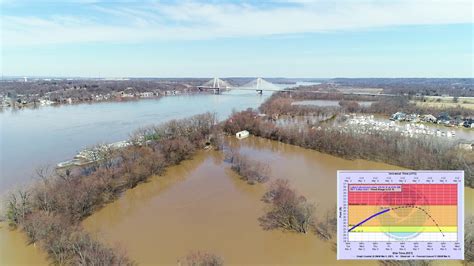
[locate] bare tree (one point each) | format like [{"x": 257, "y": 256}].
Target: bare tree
[
  {"x": 18, "y": 206},
  {"x": 326, "y": 225},
  {"x": 249, "y": 170},
  {"x": 288, "y": 210},
  {"x": 201, "y": 258}
]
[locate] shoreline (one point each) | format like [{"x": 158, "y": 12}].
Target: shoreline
[{"x": 120, "y": 100}]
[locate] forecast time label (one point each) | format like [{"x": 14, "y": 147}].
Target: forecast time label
[{"x": 400, "y": 215}]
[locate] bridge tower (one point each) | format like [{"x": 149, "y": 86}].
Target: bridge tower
[
  {"x": 215, "y": 84},
  {"x": 258, "y": 89}
]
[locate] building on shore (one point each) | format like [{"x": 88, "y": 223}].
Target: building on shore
[{"x": 398, "y": 116}]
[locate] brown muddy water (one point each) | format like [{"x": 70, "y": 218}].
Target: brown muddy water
[
  {"x": 15, "y": 251},
  {"x": 202, "y": 205}
]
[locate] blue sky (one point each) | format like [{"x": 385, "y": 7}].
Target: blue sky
[{"x": 384, "y": 38}]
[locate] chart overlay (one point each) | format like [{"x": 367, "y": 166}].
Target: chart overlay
[{"x": 400, "y": 215}]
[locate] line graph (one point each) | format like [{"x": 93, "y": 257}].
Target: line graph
[
  {"x": 413, "y": 208},
  {"x": 372, "y": 216},
  {"x": 399, "y": 208}
]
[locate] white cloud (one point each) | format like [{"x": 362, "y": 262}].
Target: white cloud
[{"x": 191, "y": 20}]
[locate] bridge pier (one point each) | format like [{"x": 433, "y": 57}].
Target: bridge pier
[{"x": 260, "y": 92}]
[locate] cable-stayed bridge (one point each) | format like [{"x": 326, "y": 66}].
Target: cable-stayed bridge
[
  {"x": 259, "y": 85},
  {"x": 216, "y": 83}
]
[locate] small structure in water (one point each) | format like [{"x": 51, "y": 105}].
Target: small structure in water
[{"x": 242, "y": 134}]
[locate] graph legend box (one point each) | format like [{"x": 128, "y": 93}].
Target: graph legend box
[{"x": 400, "y": 215}]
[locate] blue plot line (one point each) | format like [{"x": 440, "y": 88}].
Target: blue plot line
[{"x": 377, "y": 214}]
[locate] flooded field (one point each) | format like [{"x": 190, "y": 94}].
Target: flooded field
[{"x": 202, "y": 205}]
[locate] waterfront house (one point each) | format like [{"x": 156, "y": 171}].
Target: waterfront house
[
  {"x": 124, "y": 94},
  {"x": 458, "y": 121},
  {"x": 398, "y": 116},
  {"x": 45, "y": 102},
  {"x": 147, "y": 94},
  {"x": 412, "y": 118},
  {"x": 468, "y": 123},
  {"x": 428, "y": 118},
  {"x": 443, "y": 118}
]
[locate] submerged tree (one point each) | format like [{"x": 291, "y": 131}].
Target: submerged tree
[
  {"x": 249, "y": 170},
  {"x": 288, "y": 210},
  {"x": 326, "y": 226},
  {"x": 18, "y": 206},
  {"x": 200, "y": 258}
]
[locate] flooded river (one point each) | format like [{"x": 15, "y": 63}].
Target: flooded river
[
  {"x": 37, "y": 137},
  {"x": 31, "y": 138},
  {"x": 202, "y": 205},
  {"x": 15, "y": 251},
  {"x": 198, "y": 205}
]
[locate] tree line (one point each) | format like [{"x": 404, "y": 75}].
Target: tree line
[
  {"x": 412, "y": 86},
  {"x": 282, "y": 104},
  {"x": 392, "y": 148},
  {"x": 250, "y": 171}
]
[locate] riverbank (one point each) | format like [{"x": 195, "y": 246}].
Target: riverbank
[
  {"x": 49, "y": 212},
  {"x": 109, "y": 99},
  {"x": 43, "y": 137},
  {"x": 36, "y": 92},
  {"x": 14, "y": 249}
]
